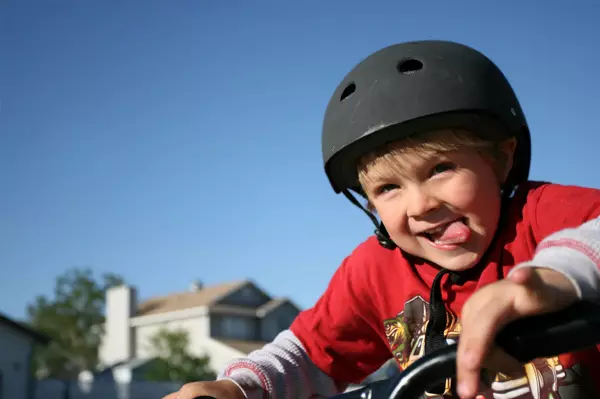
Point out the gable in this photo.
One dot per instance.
(23, 330)
(247, 295)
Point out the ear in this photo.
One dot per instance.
(507, 148)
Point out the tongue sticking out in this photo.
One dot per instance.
(454, 233)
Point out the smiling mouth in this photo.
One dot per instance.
(451, 233)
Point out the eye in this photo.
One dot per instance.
(442, 167)
(386, 188)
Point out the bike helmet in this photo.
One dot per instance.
(414, 87)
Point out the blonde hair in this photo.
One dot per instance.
(386, 159)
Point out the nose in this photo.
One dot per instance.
(421, 202)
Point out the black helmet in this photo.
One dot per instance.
(415, 87)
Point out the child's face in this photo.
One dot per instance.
(457, 193)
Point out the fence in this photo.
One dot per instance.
(57, 389)
(103, 389)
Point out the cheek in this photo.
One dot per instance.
(480, 195)
(462, 193)
(392, 215)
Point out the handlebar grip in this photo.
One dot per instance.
(574, 328)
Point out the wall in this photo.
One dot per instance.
(276, 321)
(196, 327)
(198, 333)
(14, 363)
(221, 354)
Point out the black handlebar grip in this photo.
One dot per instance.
(574, 328)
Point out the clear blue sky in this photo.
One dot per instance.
(174, 140)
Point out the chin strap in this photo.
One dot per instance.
(380, 232)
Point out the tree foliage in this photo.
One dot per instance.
(74, 320)
(173, 360)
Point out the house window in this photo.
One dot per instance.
(237, 328)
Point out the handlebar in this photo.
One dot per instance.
(574, 328)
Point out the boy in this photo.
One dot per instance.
(432, 136)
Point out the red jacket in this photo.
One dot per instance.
(377, 302)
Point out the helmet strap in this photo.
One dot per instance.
(380, 232)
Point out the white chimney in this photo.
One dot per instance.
(196, 286)
(118, 343)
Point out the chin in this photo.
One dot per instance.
(458, 263)
(457, 260)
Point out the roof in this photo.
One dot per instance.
(26, 330)
(184, 300)
(273, 304)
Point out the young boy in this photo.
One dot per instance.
(432, 136)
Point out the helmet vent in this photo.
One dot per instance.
(351, 88)
(409, 66)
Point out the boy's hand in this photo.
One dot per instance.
(222, 389)
(527, 292)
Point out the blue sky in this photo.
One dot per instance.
(176, 140)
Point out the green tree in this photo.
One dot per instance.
(74, 319)
(173, 361)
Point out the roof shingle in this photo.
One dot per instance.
(184, 300)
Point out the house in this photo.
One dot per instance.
(224, 321)
(16, 348)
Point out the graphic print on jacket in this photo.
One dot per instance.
(541, 379)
